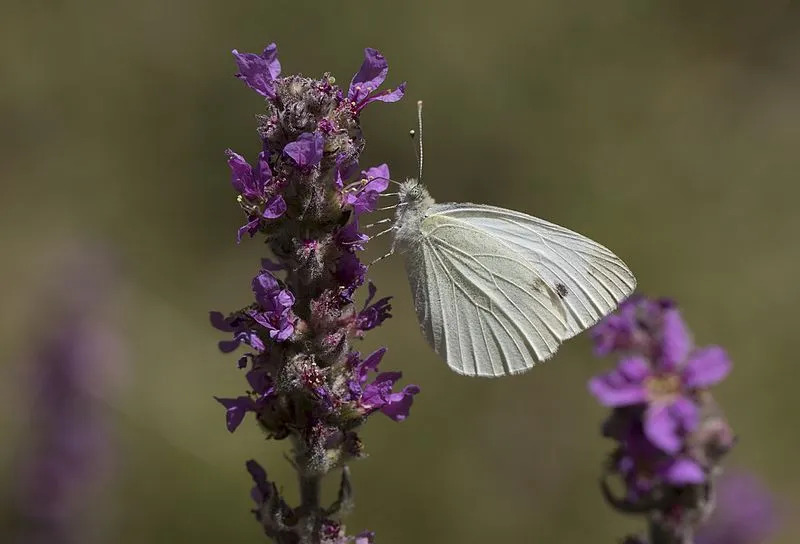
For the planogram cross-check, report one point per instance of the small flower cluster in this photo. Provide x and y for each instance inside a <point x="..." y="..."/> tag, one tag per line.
<point x="670" y="433"/>
<point x="306" y="381"/>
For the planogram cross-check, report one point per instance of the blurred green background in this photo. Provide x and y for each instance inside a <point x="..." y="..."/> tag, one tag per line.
<point x="667" y="130"/>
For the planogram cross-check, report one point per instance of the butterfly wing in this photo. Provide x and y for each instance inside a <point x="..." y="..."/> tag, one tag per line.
<point x="481" y="304"/>
<point x="589" y="279"/>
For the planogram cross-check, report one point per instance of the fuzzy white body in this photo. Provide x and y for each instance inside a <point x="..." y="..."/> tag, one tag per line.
<point x="497" y="291"/>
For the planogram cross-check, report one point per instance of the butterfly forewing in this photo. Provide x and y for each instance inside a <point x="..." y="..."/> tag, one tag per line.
<point x="481" y="304"/>
<point x="589" y="280"/>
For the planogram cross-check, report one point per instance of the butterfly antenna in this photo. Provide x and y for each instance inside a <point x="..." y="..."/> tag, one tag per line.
<point x="420" y="156"/>
<point x="413" y="134"/>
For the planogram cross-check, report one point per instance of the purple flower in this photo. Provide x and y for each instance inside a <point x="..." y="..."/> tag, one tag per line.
<point x="259" y="71"/>
<point x="379" y="394"/>
<point x="745" y="513"/>
<point x="243" y="334"/>
<point x="645" y="467"/>
<point x="275" y="306"/>
<point x="365" y="199"/>
<point x="633" y="327"/>
<point x="350" y="273"/>
<point x="237" y="408"/>
<point x="370" y="76"/>
<point x="306" y="151"/>
<point x="373" y="315"/>
<point x="256" y="187"/>
<point x="671" y="434"/>
<point x="667" y="385"/>
<point x="250" y="184"/>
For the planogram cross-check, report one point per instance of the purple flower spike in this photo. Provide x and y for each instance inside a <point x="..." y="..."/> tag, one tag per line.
<point x="304" y="381"/>
<point x="671" y="434"/>
<point x="306" y="151"/>
<point x="259" y="71"/>
<point x="370" y="76"/>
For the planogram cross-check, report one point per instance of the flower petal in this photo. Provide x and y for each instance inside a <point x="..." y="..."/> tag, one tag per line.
<point x="236" y="410"/>
<point x="259" y="71"/>
<point x="661" y="428"/>
<point x="370" y="76"/>
<point x="219" y="322"/>
<point x="684" y="471"/>
<point x="685" y="413"/>
<point x="274" y="208"/>
<point x="389" y="95"/>
<point x="615" y="389"/>
<point x="399" y="404"/>
<point x="307" y="150"/>
<point x="675" y="339"/>
<point x="706" y="367"/>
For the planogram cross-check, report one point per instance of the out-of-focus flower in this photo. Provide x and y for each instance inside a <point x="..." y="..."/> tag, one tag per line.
<point x="670" y="433"/>
<point x="75" y="365"/>
<point x="745" y="512"/>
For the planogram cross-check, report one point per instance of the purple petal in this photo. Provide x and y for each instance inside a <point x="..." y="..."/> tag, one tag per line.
<point x="307" y="150"/>
<point x="259" y="71"/>
<point x="399" y="404"/>
<point x="227" y="346"/>
<point x="373" y="359"/>
<point x="377" y="178"/>
<point x="615" y="389"/>
<point x="661" y="428"/>
<point x="706" y="367"/>
<point x="263" y="489"/>
<point x="270" y="56"/>
<point x="219" y="322"/>
<point x="684" y="471"/>
<point x="272" y="266"/>
<point x="685" y="413"/>
<point x="264" y="285"/>
<point x="675" y="341"/>
<point x="260" y="382"/>
<point x="251" y="228"/>
<point x="275" y="207"/>
<point x="236" y="410"/>
<point x="635" y="369"/>
<point x="389" y="95"/>
<point x="241" y="173"/>
<point x="370" y="76"/>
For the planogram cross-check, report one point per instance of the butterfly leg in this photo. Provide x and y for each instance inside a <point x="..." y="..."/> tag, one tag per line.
<point x="387" y="220"/>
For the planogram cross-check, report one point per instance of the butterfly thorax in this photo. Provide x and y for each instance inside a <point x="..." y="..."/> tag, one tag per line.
<point x="415" y="201"/>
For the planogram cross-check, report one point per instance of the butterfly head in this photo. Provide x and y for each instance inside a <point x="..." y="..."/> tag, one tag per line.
<point x="412" y="193"/>
<point x="414" y="203"/>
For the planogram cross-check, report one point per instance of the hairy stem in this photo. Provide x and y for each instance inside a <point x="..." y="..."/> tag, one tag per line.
<point x="662" y="535"/>
<point x="309" y="510"/>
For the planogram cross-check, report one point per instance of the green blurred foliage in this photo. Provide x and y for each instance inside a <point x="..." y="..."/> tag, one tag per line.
<point x="668" y="130"/>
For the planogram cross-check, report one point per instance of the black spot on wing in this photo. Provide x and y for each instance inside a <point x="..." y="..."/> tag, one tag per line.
<point x="561" y="289"/>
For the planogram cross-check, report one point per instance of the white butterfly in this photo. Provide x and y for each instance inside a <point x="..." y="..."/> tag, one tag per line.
<point x="496" y="290"/>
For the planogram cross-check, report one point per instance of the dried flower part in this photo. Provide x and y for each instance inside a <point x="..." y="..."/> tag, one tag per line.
<point x="670" y="433"/>
<point x="306" y="381"/>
